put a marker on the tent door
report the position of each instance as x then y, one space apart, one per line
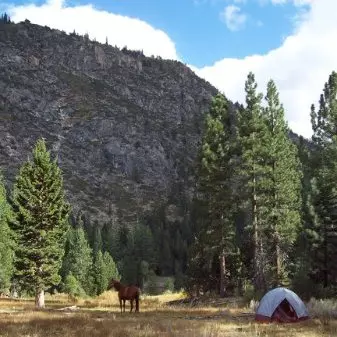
284 313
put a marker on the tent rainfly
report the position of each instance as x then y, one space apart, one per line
281 305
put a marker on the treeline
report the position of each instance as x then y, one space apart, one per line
5 18
267 207
153 247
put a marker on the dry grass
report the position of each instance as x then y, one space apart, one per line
101 317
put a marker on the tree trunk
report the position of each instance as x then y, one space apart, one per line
39 299
257 243
222 274
326 257
278 261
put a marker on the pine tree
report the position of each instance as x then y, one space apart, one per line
4 18
111 267
78 258
301 281
282 186
144 246
216 186
100 275
97 239
128 266
166 258
6 240
109 237
323 230
40 223
253 138
104 270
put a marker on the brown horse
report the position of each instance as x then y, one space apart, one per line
130 293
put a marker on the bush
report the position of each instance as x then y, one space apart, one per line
72 286
248 291
169 285
325 310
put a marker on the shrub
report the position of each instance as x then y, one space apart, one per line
72 286
248 291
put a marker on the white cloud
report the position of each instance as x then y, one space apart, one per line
120 30
233 17
300 66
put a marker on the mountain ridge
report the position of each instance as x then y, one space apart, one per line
125 127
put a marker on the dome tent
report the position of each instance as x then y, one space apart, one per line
281 305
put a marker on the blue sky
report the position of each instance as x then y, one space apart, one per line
289 41
199 31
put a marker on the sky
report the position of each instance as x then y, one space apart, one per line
292 42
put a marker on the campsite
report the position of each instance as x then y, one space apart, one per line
165 315
140 197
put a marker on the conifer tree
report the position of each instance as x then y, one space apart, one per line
143 244
78 258
4 18
97 239
216 188
100 275
282 187
323 231
253 138
111 267
6 240
40 223
104 270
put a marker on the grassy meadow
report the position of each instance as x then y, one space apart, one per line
101 317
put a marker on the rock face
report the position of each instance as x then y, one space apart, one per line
125 128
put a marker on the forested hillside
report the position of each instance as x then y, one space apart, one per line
162 175
266 204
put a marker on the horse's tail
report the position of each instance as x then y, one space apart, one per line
137 300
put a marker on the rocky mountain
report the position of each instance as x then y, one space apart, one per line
125 127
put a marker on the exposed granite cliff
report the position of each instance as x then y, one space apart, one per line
125 127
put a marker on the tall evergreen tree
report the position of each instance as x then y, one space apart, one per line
144 247
104 270
111 267
109 237
97 239
78 258
282 188
4 18
253 138
100 275
40 223
216 188
6 240
323 231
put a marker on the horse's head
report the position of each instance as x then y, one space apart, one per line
114 284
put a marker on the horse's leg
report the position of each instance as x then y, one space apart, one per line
120 304
131 303
123 305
